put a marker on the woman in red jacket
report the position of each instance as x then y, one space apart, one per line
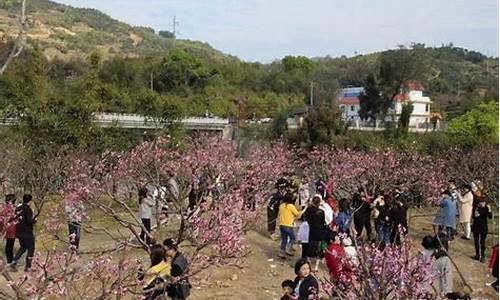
8 223
493 266
336 258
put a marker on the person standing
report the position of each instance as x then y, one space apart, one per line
343 219
273 206
146 205
361 210
398 217
306 285
465 211
315 217
304 237
8 224
480 217
335 258
75 214
24 232
286 218
382 220
446 217
304 195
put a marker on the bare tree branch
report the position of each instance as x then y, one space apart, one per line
19 42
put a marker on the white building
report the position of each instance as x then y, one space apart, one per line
412 92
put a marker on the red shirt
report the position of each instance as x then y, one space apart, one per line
6 215
494 257
334 256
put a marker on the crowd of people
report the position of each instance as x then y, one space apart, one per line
328 229
308 216
166 276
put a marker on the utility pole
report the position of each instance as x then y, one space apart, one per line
151 80
311 100
175 23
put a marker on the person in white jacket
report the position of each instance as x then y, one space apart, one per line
350 251
465 211
329 216
146 205
304 237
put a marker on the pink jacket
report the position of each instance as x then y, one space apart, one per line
7 224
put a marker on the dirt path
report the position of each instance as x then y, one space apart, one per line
263 272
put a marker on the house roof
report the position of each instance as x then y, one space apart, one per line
413 85
436 115
349 100
401 97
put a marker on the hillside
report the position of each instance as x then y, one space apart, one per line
199 78
63 31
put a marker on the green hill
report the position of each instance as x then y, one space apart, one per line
203 79
63 31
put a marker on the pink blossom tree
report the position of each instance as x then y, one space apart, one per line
231 192
391 273
377 171
478 164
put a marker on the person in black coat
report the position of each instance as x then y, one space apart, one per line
315 217
24 232
181 288
362 211
397 215
306 285
480 215
274 204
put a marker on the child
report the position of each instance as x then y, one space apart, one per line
304 237
288 288
350 251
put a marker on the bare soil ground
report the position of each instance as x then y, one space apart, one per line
261 274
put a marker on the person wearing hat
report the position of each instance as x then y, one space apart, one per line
480 217
306 285
181 288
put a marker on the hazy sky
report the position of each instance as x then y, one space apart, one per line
260 30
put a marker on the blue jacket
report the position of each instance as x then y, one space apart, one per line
343 221
447 214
